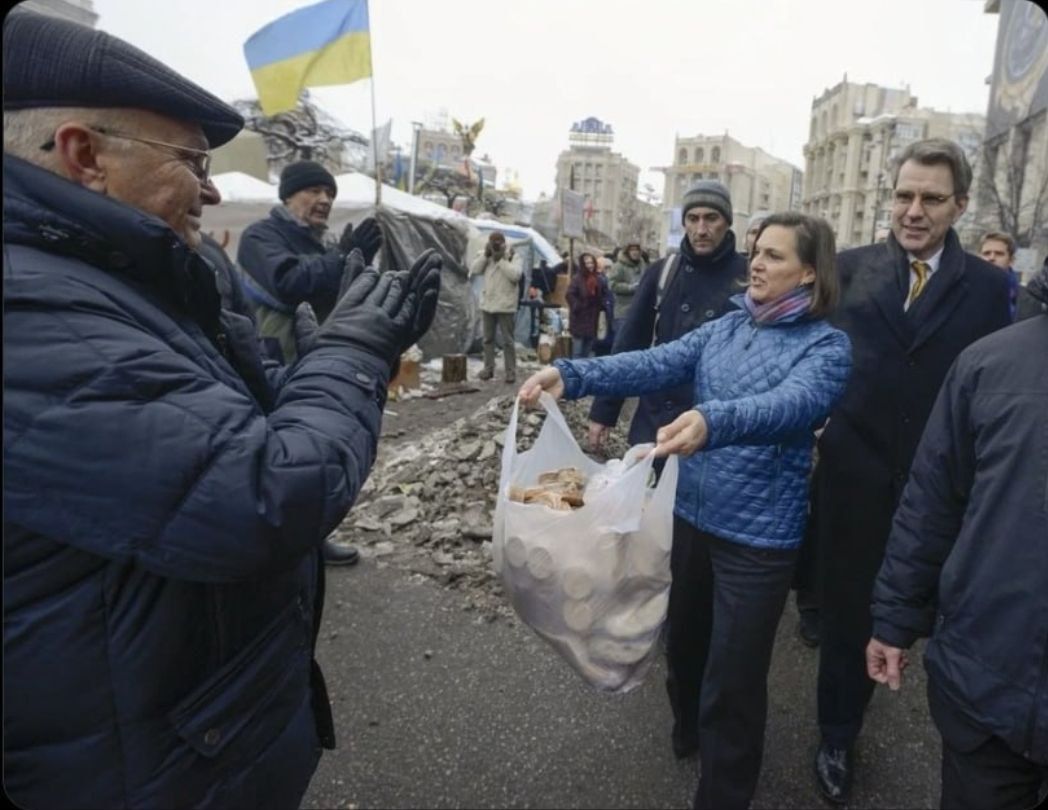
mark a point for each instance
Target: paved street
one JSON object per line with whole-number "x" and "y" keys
{"x": 437, "y": 708}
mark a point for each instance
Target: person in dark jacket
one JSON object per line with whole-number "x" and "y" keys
{"x": 288, "y": 258}
{"x": 910, "y": 306}
{"x": 163, "y": 507}
{"x": 762, "y": 378}
{"x": 585, "y": 296}
{"x": 708, "y": 272}
{"x": 967, "y": 564}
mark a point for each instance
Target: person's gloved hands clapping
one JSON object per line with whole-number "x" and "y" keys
{"x": 366, "y": 237}
{"x": 305, "y": 328}
{"x": 377, "y": 313}
{"x": 424, "y": 281}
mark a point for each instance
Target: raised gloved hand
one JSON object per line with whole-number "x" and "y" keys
{"x": 424, "y": 282}
{"x": 366, "y": 237}
{"x": 304, "y": 327}
{"x": 377, "y": 313}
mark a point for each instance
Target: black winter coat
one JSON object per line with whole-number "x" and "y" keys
{"x": 900, "y": 358}
{"x": 967, "y": 561}
{"x": 162, "y": 522}
{"x": 287, "y": 264}
{"x": 700, "y": 291}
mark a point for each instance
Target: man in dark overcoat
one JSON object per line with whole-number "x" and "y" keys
{"x": 910, "y": 305}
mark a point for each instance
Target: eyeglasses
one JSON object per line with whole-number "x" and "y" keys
{"x": 929, "y": 202}
{"x": 198, "y": 161}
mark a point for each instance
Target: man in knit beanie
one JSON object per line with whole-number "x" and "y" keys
{"x": 675, "y": 296}
{"x": 289, "y": 258}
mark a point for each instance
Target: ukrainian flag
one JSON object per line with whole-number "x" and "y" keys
{"x": 328, "y": 43}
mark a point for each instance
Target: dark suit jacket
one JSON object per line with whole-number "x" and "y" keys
{"x": 900, "y": 358}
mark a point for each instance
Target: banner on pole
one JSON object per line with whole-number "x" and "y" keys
{"x": 572, "y": 213}
{"x": 379, "y": 145}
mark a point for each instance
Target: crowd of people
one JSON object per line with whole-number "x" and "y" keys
{"x": 183, "y": 432}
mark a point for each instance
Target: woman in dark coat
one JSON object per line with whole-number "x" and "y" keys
{"x": 585, "y": 302}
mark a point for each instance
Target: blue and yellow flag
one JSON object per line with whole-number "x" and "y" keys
{"x": 324, "y": 44}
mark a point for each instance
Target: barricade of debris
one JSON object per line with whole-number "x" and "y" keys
{"x": 429, "y": 503}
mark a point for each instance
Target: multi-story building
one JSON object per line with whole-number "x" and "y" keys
{"x": 856, "y": 132}
{"x": 757, "y": 181}
{"x": 1012, "y": 174}
{"x": 605, "y": 178}
{"x": 80, "y": 11}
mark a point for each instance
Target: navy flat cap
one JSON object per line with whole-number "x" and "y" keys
{"x": 49, "y": 62}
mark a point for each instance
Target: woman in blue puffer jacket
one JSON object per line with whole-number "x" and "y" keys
{"x": 765, "y": 377}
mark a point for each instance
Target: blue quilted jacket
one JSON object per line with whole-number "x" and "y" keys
{"x": 763, "y": 390}
{"x": 162, "y": 518}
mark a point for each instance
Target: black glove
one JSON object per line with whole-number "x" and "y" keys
{"x": 366, "y": 237}
{"x": 376, "y": 313}
{"x": 424, "y": 283}
{"x": 304, "y": 327}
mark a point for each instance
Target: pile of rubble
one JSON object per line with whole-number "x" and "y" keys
{"x": 429, "y": 503}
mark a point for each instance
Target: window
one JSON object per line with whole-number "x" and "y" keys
{"x": 715, "y": 154}
{"x": 682, "y": 156}
{"x": 699, "y": 154}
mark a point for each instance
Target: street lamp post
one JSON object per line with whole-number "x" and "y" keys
{"x": 416, "y": 128}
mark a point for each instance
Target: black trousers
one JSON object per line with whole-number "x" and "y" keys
{"x": 853, "y": 519}
{"x": 979, "y": 771}
{"x": 725, "y": 604}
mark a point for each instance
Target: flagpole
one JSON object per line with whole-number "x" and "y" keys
{"x": 374, "y": 119}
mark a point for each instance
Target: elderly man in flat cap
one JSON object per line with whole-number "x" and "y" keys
{"x": 164, "y": 499}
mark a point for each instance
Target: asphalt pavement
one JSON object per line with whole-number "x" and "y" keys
{"x": 436, "y": 707}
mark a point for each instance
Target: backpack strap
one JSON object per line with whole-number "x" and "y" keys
{"x": 666, "y": 276}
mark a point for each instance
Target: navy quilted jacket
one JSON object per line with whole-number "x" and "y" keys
{"x": 161, "y": 524}
{"x": 763, "y": 390}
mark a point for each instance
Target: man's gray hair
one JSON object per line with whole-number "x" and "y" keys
{"x": 26, "y": 130}
{"x": 938, "y": 151}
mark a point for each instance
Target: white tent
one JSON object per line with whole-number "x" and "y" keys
{"x": 357, "y": 191}
{"x": 240, "y": 187}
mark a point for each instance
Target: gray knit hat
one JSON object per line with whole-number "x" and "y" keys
{"x": 710, "y": 194}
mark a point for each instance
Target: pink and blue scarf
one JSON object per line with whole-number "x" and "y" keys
{"x": 787, "y": 306}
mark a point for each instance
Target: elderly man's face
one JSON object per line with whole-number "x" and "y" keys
{"x": 160, "y": 180}
{"x": 312, "y": 205}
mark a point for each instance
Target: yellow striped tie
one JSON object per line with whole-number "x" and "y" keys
{"x": 920, "y": 269}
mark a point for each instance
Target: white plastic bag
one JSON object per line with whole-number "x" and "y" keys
{"x": 593, "y": 582}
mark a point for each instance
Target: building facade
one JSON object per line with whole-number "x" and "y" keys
{"x": 855, "y": 134}
{"x": 757, "y": 181}
{"x": 605, "y": 178}
{"x": 1012, "y": 173}
{"x": 443, "y": 148}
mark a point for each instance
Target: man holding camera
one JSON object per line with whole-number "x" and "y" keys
{"x": 498, "y": 302}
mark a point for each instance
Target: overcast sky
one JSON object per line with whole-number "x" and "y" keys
{"x": 651, "y": 68}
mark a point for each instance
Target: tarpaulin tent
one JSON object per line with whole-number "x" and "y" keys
{"x": 409, "y": 224}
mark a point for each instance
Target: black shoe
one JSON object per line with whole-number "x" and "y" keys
{"x": 833, "y": 772}
{"x": 338, "y": 554}
{"x": 808, "y": 628}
